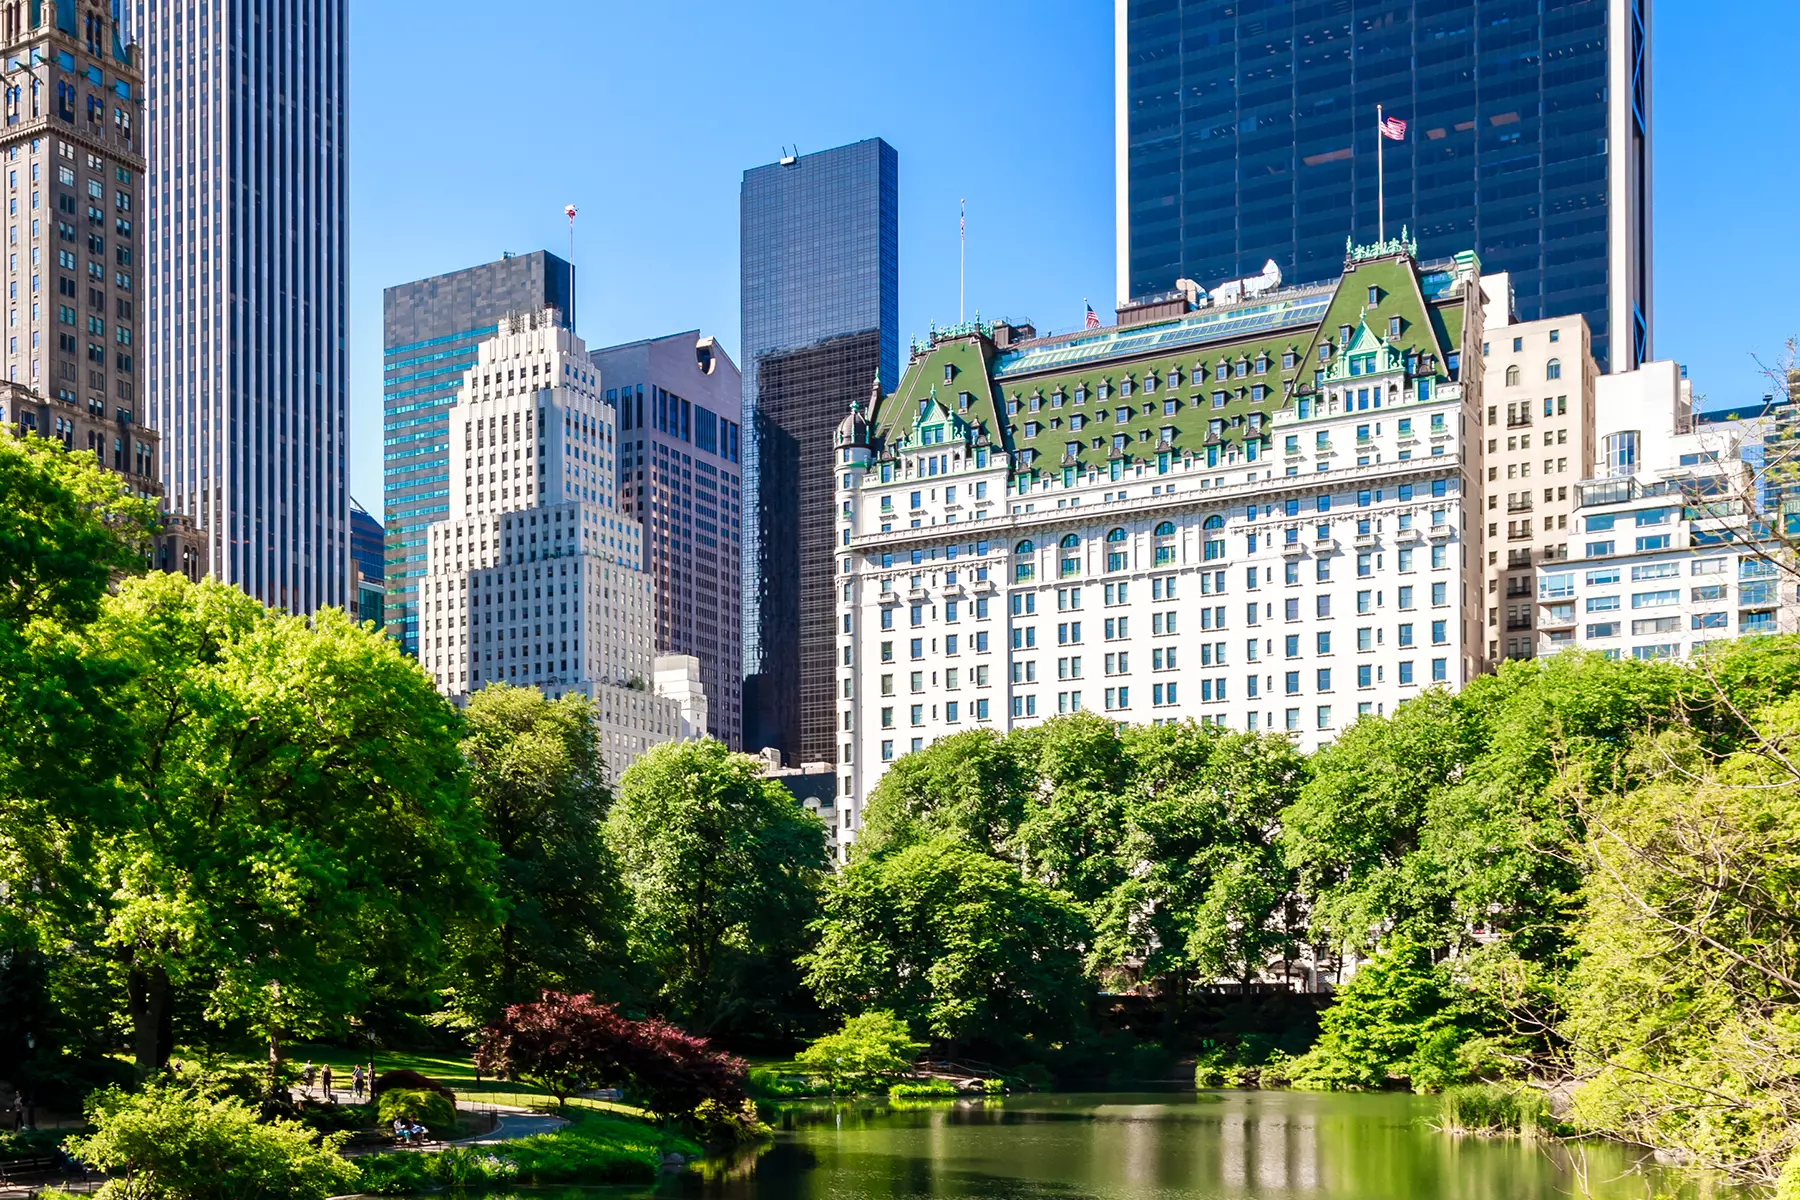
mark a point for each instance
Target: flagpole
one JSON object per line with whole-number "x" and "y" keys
{"x": 962, "y": 255}
{"x": 1380, "y": 183}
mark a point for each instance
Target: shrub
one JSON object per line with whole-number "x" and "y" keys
{"x": 719, "y": 1125}
{"x": 771, "y": 1084}
{"x": 570, "y": 1044}
{"x": 411, "y": 1081}
{"x": 595, "y": 1149}
{"x": 437, "y": 1113}
{"x": 925, "y": 1089}
{"x": 866, "y": 1051}
{"x": 180, "y": 1143}
{"x": 1495, "y": 1108}
{"x": 457, "y": 1167}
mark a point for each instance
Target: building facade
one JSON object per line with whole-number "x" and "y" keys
{"x": 1663, "y": 563}
{"x": 1538, "y": 394}
{"x": 431, "y": 331}
{"x": 368, "y": 564}
{"x": 679, "y": 401}
{"x": 72, "y": 149}
{"x": 1264, "y": 516}
{"x": 1249, "y": 131}
{"x": 534, "y": 577}
{"x": 243, "y": 285}
{"x": 820, "y": 294}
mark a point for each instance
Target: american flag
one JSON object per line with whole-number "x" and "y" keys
{"x": 1393, "y": 128}
{"x": 1093, "y": 319}
{"x": 569, "y": 212}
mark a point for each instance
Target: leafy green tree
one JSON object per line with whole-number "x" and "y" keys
{"x": 296, "y": 829}
{"x": 539, "y": 783}
{"x": 174, "y": 1142}
{"x": 971, "y": 783}
{"x": 1204, "y": 893}
{"x": 1681, "y": 1014}
{"x": 1398, "y": 1017}
{"x": 1074, "y": 821}
{"x": 723, "y": 870}
{"x": 954, "y": 941}
{"x": 868, "y": 1049}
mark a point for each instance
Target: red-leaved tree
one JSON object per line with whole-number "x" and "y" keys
{"x": 569, "y": 1044}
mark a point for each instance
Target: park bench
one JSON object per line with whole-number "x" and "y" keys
{"x": 39, "y": 1169}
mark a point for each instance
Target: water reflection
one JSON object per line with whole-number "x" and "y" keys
{"x": 1232, "y": 1146}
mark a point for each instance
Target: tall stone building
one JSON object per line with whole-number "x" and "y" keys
{"x": 431, "y": 331}
{"x": 72, "y": 150}
{"x": 534, "y": 578}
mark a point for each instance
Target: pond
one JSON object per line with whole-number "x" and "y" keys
{"x": 1211, "y": 1146}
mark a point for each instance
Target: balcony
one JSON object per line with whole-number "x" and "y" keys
{"x": 1519, "y": 533}
{"x": 1366, "y": 541}
{"x": 1324, "y": 545}
{"x": 1514, "y": 624}
{"x": 1556, "y": 616}
{"x": 1518, "y": 506}
{"x": 1293, "y": 549}
{"x": 1409, "y": 536}
{"x": 1518, "y": 559}
{"x": 1440, "y": 532}
{"x": 1520, "y": 421}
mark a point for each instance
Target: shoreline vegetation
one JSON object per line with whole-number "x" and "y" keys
{"x": 230, "y": 828}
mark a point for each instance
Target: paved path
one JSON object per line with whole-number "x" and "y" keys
{"x": 511, "y": 1124}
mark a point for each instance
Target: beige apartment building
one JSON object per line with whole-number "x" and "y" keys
{"x": 1538, "y": 392}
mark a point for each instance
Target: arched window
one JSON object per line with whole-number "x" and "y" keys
{"x": 1165, "y": 529}
{"x": 1512, "y": 376}
{"x": 1553, "y": 369}
{"x": 1165, "y": 545}
{"x": 1116, "y": 555}
{"x": 1025, "y": 568}
{"x": 1069, "y": 561}
{"x": 1213, "y": 522}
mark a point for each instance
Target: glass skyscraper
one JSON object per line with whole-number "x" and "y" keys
{"x": 1247, "y": 131}
{"x": 431, "y": 330}
{"x": 242, "y": 285}
{"x": 820, "y": 245}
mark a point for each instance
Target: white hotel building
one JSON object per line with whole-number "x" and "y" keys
{"x": 534, "y": 578}
{"x": 1264, "y": 515}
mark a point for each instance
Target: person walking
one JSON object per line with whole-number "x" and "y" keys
{"x": 325, "y": 1082}
{"x": 356, "y": 1083}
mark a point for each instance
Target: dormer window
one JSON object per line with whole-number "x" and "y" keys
{"x": 1344, "y": 334}
{"x": 1325, "y": 351}
{"x": 1167, "y": 433}
{"x": 1036, "y": 402}
{"x": 1289, "y": 360}
{"x": 963, "y": 400}
{"x": 1081, "y": 393}
{"x": 1393, "y": 327}
{"x": 1012, "y": 407}
{"x": 1105, "y": 388}
{"x": 1262, "y": 364}
{"x": 1125, "y": 387}
{"x": 1374, "y": 295}
{"x": 1174, "y": 379}
{"x": 949, "y": 372}
{"x": 1056, "y": 398}
{"x": 1122, "y": 416}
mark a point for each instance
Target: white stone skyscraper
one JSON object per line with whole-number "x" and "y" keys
{"x": 244, "y": 282}
{"x": 534, "y": 578}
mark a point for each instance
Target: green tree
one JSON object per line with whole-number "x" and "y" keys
{"x": 953, "y": 940}
{"x": 1204, "y": 893}
{"x": 1074, "y": 821}
{"x": 173, "y": 1142}
{"x": 723, "y": 870}
{"x": 971, "y": 783}
{"x": 539, "y": 782}
{"x": 1398, "y": 1017}
{"x": 868, "y": 1049}
{"x": 296, "y": 828}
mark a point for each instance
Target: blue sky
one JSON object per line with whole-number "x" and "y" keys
{"x": 473, "y": 125}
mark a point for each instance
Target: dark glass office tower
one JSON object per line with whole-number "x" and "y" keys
{"x": 1247, "y": 131}
{"x": 821, "y": 311}
{"x": 431, "y": 331}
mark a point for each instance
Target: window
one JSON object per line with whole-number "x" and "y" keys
{"x": 1406, "y": 671}
{"x": 1553, "y": 369}
{"x": 1440, "y": 670}
{"x": 1512, "y": 375}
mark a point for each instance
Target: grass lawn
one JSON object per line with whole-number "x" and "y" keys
{"x": 456, "y": 1072}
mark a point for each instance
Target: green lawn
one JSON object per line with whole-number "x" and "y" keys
{"x": 457, "y": 1072}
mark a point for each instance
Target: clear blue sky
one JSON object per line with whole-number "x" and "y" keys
{"x": 473, "y": 124}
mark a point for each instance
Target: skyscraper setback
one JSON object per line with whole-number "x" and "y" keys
{"x": 243, "y": 285}
{"x": 1248, "y": 132}
{"x": 432, "y": 330}
{"x": 821, "y": 300}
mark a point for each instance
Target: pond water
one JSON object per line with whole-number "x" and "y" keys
{"x": 1211, "y": 1146}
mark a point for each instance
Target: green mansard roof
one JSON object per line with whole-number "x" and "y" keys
{"x": 1282, "y": 332}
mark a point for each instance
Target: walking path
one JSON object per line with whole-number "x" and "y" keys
{"x": 510, "y": 1124}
